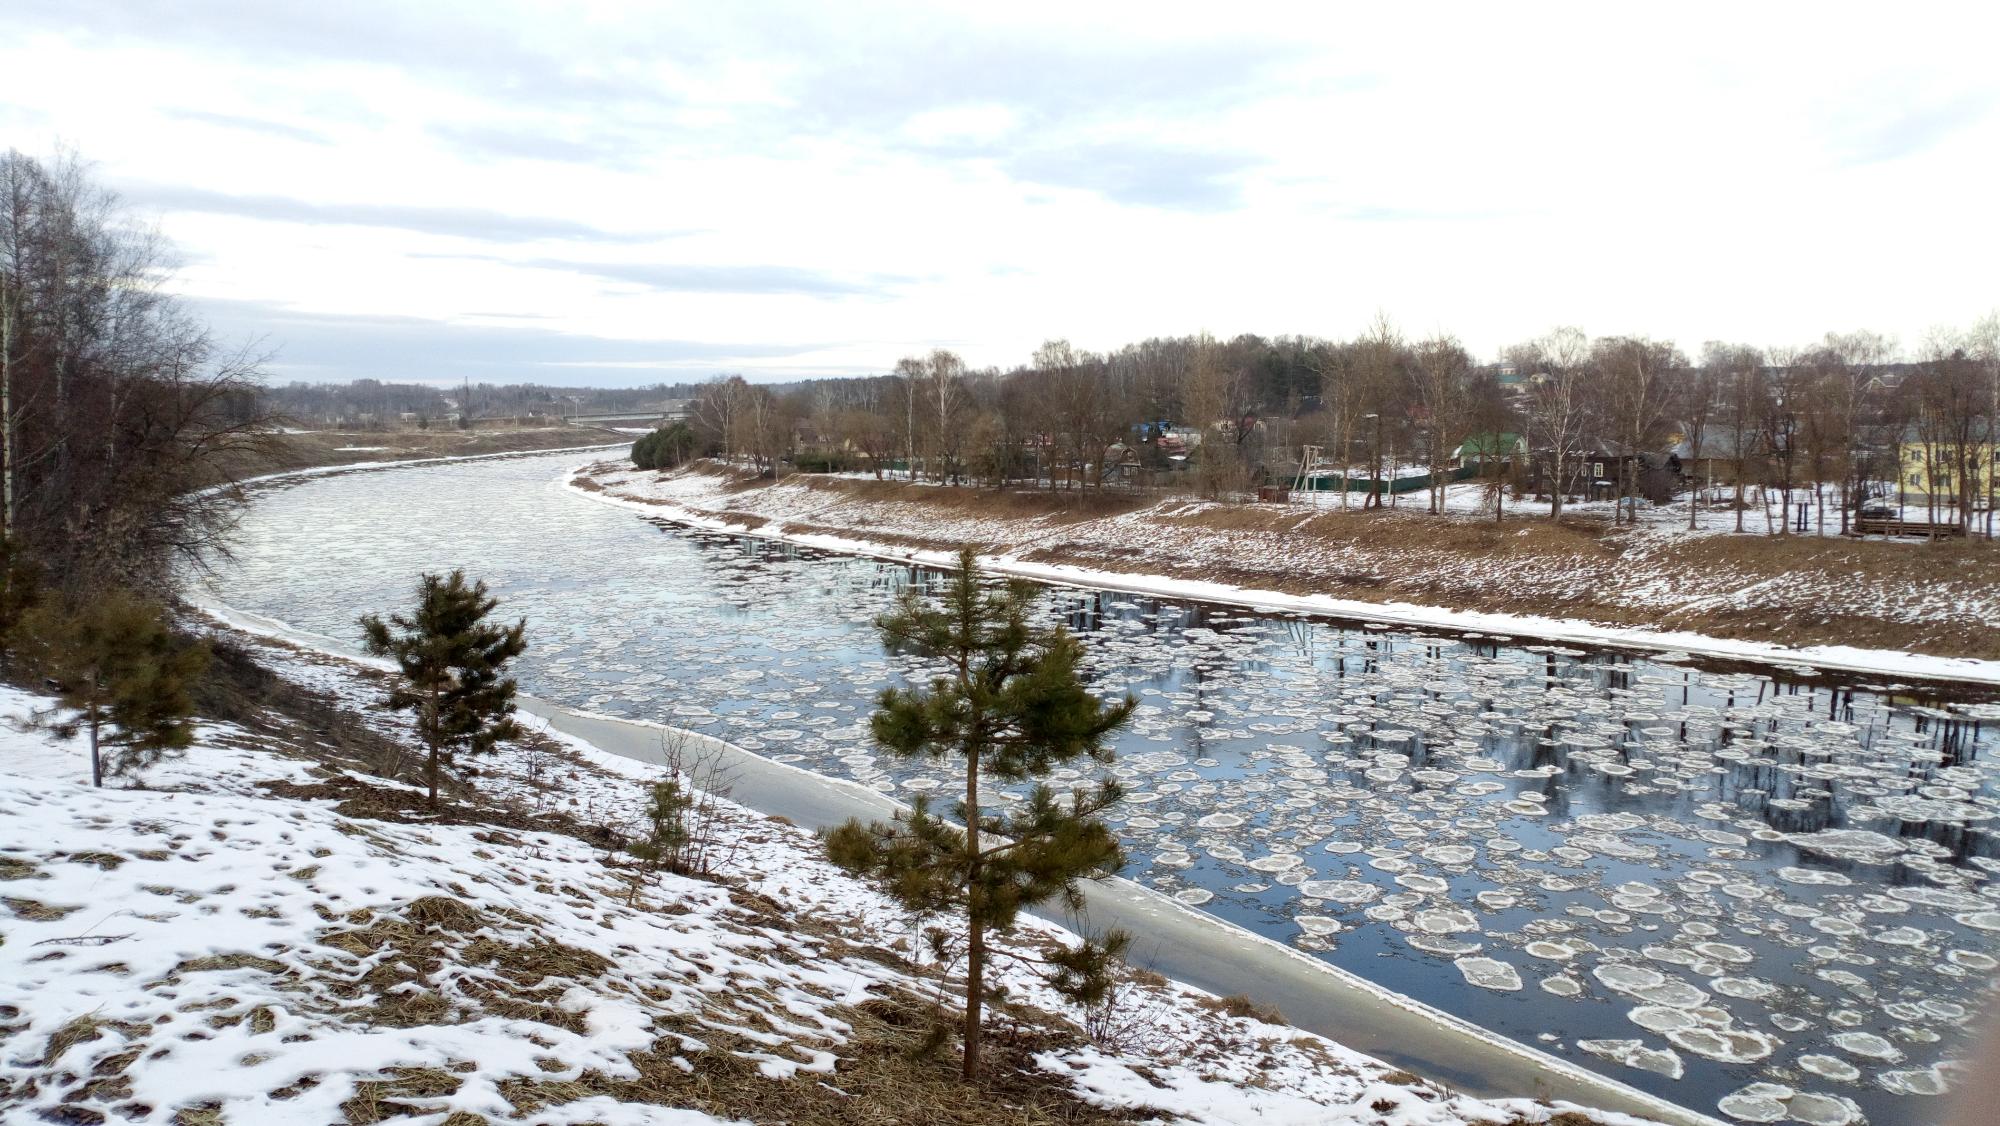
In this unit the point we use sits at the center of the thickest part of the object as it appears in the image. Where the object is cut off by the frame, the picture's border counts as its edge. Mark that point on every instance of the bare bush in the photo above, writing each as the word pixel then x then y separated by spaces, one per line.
pixel 680 829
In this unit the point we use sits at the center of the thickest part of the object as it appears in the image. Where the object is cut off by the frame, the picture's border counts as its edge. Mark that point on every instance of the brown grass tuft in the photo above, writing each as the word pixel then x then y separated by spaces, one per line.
pixel 238 961
pixel 444 913
pixel 895 1070
pixel 82 1030
pixel 376 1100
pixel 1240 1005
pixel 37 911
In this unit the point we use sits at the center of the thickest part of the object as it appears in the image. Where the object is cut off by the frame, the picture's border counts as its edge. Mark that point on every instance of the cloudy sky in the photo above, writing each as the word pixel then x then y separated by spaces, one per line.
pixel 626 193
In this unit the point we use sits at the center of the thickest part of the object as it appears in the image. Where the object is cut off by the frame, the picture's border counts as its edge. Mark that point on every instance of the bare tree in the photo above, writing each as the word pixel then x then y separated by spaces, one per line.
pixel 1341 391
pixel 947 406
pixel 1983 346
pixel 119 414
pixel 1380 381
pixel 1739 371
pixel 1444 384
pixel 1952 424
pixel 1558 406
pixel 1217 399
pixel 1700 398
pixel 1785 388
pixel 1854 362
pixel 1635 376
pixel 716 415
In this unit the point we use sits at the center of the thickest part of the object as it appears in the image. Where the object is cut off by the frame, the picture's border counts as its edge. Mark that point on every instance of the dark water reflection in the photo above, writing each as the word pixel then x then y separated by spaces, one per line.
pixel 1678 865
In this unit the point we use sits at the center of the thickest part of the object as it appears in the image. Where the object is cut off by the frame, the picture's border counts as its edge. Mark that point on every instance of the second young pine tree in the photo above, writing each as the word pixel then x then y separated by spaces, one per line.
pixel 1010 707
pixel 452 662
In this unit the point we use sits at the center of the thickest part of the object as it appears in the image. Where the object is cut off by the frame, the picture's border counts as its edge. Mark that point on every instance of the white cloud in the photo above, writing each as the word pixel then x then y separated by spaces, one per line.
pixel 981 124
pixel 850 185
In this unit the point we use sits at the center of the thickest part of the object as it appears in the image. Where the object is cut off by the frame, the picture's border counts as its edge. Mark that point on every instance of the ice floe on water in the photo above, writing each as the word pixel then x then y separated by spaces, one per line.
pixel 1777 883
pixel 1635 1053
pixel 1775 1102
pixel 1489 973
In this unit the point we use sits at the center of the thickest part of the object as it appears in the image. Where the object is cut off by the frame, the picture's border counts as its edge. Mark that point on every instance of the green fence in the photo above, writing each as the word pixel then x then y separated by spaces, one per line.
pixel 1337 483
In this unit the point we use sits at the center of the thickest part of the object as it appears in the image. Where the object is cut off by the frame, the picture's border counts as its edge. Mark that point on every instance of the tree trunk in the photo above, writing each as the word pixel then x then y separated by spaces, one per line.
pixel 1694 489
pixel 7 422
pixel 1739 485
pixel 431 744
pixel 975 923
pixel 96 761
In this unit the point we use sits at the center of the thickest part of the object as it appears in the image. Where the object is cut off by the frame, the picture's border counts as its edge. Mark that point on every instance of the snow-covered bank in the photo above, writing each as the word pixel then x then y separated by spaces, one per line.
pixel 705 501
pixel 237 942
pixel 1188 945
pixel 1178 941
pixel 400 463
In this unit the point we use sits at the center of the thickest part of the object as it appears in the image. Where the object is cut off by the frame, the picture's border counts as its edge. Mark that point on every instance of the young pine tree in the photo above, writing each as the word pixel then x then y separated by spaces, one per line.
pixel 451 659
pixel 666 836
pixel 1011 707
pixel 120 674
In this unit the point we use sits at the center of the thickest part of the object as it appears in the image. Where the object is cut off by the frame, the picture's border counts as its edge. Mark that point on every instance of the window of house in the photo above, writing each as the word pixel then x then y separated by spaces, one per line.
pixel 1916 478
pixel 1597 469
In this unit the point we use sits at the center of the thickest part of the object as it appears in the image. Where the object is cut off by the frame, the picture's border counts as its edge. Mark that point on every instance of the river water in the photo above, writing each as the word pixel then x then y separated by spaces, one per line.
pixel 1755 894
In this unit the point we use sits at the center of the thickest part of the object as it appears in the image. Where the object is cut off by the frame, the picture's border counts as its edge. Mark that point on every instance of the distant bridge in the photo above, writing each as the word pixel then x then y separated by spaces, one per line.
pixel 654 417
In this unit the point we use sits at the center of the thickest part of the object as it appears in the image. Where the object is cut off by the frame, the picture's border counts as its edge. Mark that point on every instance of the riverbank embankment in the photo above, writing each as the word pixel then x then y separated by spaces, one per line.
pixel 1885 609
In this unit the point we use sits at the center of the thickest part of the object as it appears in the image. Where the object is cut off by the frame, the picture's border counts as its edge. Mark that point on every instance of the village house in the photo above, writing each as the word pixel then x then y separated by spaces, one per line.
pixel 1490 453
pixel 1936 473
pixel 1593 469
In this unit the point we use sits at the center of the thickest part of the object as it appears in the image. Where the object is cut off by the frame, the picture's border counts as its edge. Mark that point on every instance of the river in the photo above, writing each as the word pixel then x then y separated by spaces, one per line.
pixel 1691 878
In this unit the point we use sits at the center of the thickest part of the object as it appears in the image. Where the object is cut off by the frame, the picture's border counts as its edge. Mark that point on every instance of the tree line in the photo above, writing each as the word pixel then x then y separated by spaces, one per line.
pixel 1839 420
pixel 375 404
pixel 122 421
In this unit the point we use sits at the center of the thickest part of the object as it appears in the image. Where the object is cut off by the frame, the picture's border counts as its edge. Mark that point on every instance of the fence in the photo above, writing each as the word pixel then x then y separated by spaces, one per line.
pixel 1334 483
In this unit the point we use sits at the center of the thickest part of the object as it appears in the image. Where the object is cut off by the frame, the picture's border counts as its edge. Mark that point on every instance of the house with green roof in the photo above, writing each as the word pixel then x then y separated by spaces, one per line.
pixel 1492 449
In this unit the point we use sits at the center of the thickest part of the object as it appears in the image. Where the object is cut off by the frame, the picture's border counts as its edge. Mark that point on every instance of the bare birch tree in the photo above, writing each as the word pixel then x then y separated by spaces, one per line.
pixel 1559 407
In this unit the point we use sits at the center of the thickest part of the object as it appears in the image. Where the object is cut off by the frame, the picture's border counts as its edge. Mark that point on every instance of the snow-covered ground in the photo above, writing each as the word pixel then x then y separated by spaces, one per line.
pixel 1764 513
pixel 1635 596
pixel 198 943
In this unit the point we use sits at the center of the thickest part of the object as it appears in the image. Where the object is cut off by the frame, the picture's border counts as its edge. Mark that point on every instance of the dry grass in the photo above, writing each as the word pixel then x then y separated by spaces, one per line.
pixel 79 1031
pixel 229 962
pixel 377 1100
pixel 897 1069
pixel 444 913
pixel 1002 504
pixel 37 911
pixel 1240 1005
pixel 398 991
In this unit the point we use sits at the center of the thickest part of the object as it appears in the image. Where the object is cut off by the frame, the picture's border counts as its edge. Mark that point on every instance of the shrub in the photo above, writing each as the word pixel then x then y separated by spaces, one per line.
pixel 665 448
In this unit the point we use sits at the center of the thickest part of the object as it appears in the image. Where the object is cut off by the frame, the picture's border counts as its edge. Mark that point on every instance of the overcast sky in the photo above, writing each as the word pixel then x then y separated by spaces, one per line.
pixel 626 193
